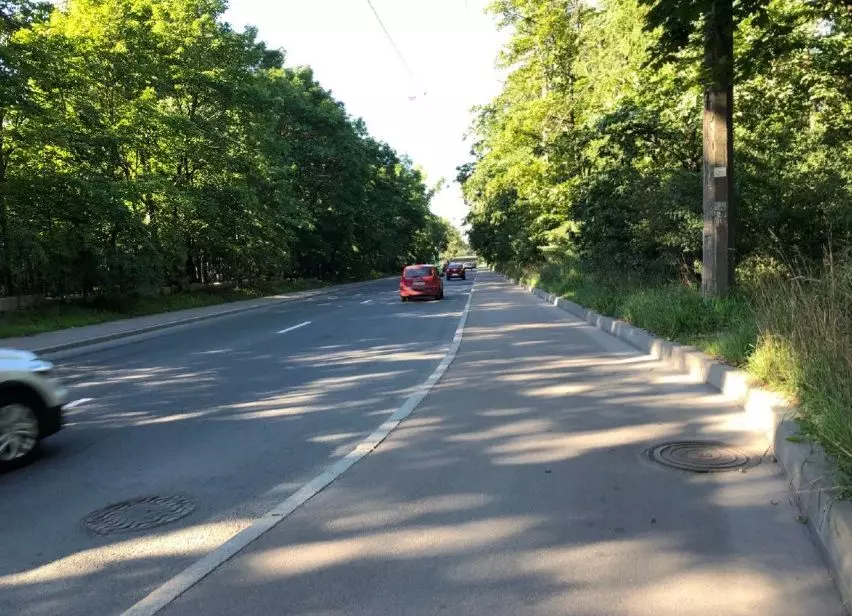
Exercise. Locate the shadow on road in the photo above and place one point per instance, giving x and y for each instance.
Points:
(518, 487)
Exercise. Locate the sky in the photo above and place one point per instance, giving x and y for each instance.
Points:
(449, 45)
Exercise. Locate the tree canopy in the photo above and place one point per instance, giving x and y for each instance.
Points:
(146, 143)
(594, 144)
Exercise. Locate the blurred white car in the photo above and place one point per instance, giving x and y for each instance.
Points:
(31, 403)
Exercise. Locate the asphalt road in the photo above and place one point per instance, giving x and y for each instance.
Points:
(231, 414)
(519, 487)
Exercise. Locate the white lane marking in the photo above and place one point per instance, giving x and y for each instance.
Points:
(367, 301)
(189, 577)
(75, 403)
(289, 329)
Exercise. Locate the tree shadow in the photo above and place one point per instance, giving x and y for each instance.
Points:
(519, 486)
(237, 422)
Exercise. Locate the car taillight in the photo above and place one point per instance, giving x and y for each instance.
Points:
(406, 282)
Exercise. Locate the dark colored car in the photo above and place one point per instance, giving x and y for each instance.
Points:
(455, 270)
(421, 281)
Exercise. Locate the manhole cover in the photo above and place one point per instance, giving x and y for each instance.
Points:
(138, 514)
(700, 456)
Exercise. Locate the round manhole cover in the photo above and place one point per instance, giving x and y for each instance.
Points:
(138, 514)
(701, 456)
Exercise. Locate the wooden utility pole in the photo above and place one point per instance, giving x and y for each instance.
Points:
(719, 257)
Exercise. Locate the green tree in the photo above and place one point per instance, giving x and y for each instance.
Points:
(611, 167)
(146, 143)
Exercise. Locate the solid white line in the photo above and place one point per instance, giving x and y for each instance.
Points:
(289, 329)
(189, 577)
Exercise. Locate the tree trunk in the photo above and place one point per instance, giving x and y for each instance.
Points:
(719, 258)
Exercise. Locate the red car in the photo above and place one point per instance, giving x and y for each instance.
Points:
(456, 270)
(421, 281)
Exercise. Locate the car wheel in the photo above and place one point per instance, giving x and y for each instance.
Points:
(402, 299)
(19, 429)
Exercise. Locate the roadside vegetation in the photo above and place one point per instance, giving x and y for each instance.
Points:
(148, 144)
(587, 180)
(726, 328)
(51, 315)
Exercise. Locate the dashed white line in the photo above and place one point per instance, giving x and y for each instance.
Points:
(289, 329)
(75, 403)
(367, 301)
(160, 597)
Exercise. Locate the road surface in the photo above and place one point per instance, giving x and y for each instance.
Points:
(229, 413)
(518, 486)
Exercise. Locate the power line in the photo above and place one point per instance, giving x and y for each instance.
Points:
(393, 44)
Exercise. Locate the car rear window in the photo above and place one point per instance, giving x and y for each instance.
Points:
(454, 265)
(414, 272)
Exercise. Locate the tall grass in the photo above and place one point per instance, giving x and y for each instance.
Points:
(806, 349)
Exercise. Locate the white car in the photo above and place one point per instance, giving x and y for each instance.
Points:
(31, 403)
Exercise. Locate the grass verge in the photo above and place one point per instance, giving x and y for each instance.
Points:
(725, 328)
(56, 315)
(793, 334)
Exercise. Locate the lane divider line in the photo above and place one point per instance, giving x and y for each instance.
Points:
(75, 403)
(289, 329)
(165, 594)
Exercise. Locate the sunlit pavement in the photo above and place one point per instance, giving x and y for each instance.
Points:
(232, 415)
(519, 487)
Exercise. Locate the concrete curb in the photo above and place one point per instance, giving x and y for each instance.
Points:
(809, 471)
(273, 300)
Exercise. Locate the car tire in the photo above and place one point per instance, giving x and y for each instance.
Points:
(403, 299)
(20, 412)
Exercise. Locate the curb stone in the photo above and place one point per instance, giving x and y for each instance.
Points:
(808, 469)
(273, 300)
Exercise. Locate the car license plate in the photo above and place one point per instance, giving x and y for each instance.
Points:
(419, 285)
